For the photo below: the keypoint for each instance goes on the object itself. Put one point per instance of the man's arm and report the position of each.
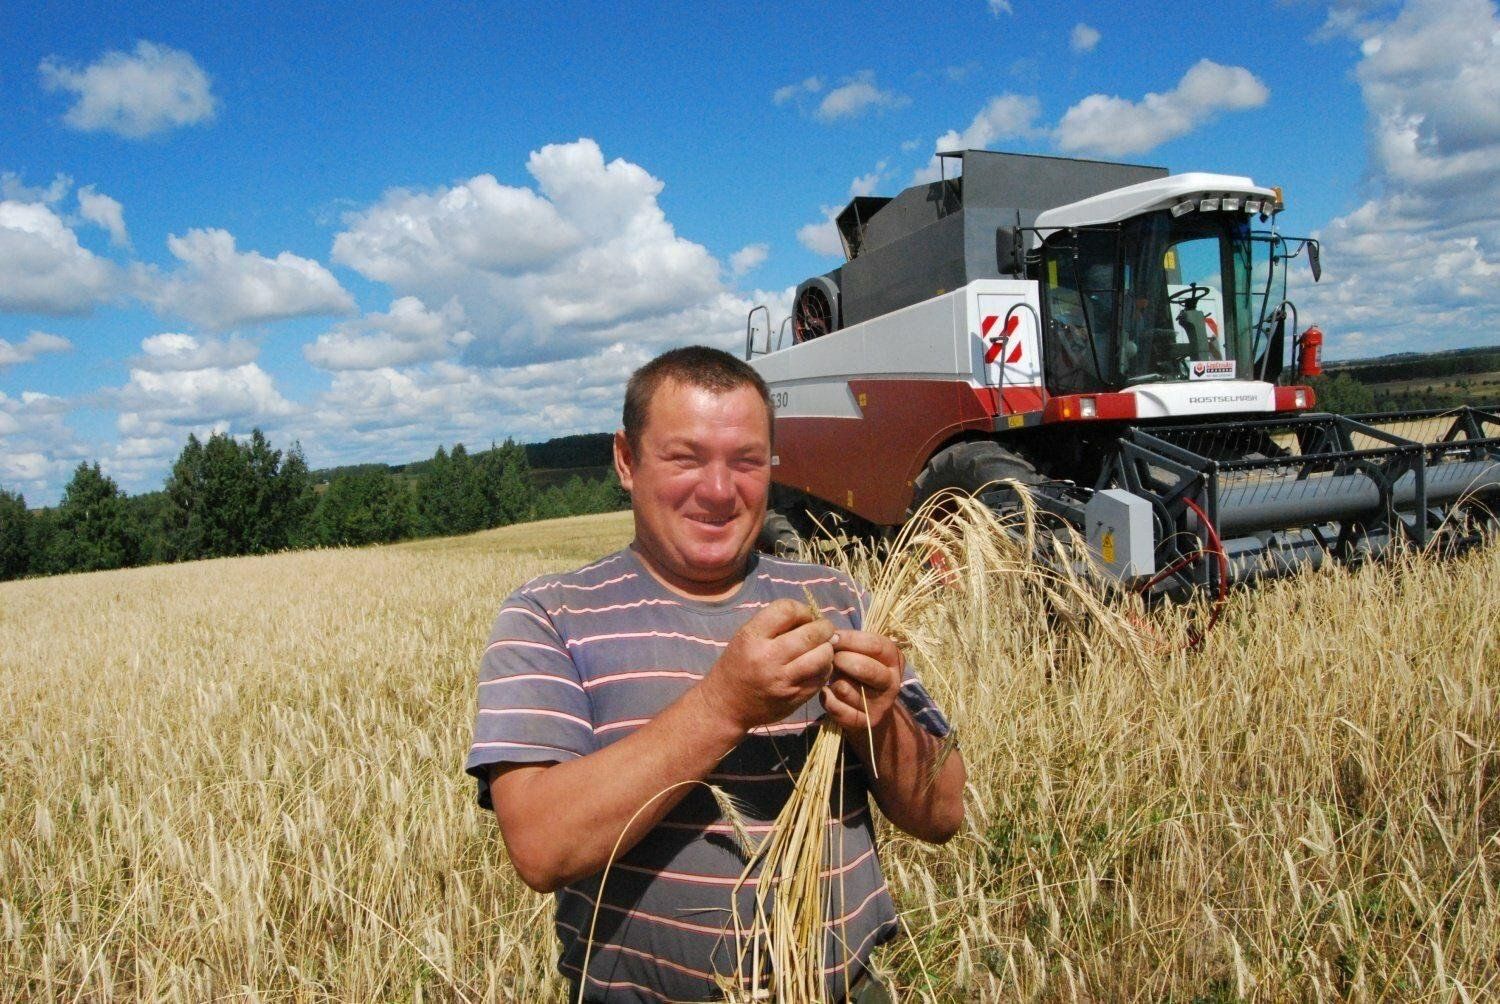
(919, 796)
(563, 821)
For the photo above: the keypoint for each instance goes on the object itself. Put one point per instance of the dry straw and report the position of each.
(955, 543)
(237, 779)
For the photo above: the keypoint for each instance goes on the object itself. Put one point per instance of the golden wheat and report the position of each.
(241, 779)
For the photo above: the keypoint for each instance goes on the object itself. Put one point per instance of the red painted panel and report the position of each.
(1286, 398)
(867, 465)
(1021, 399)
(1069, 408)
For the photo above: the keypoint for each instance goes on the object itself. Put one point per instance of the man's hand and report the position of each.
(868, 662)
(773, 665)
(917, 791)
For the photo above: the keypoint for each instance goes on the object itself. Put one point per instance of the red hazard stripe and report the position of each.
(988, 323)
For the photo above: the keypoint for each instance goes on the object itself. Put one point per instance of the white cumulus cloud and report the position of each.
(377, 413)
(37, 450)
(171, 351)
(810, 85)
(102, 211)
(1083, 37)
(34, 344)
(584, 260)
(822, 237)
(1417, 265)
(409, 333)
(43, 268)
(866, 184)
(154, 400)
(134, 94)
(1006, 116)
(749, 258)
(183, 384)
(1003, 117)
(1115, 126)
(856, 96)
(219, 287)
(15, 189)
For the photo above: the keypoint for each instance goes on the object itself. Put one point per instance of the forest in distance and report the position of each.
(226, 497)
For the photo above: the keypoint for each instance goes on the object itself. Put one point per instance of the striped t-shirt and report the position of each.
(579, 661)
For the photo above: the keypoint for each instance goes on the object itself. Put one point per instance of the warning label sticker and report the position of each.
(1211, 369)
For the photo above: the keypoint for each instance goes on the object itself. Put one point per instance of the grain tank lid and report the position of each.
(851, 222)
(1147, 197)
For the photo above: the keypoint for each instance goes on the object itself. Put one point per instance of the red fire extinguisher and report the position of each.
(1310, 353)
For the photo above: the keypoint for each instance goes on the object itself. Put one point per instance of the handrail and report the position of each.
(750, 331)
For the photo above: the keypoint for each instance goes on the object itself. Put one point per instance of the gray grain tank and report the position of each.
(939, 236)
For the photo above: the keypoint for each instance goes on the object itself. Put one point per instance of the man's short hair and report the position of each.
(692, 366)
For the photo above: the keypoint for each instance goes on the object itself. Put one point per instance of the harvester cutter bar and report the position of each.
(1282, 493)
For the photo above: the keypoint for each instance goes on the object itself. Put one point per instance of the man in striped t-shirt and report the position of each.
(608, 694)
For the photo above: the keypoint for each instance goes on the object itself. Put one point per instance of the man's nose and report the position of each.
(717, 483)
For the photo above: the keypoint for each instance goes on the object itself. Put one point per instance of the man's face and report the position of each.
(698, 483)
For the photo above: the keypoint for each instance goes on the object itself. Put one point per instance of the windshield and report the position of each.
(1158, 298)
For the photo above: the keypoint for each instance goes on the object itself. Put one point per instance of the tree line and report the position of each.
(1434, 365)
(226, 497)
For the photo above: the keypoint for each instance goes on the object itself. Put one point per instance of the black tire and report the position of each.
(778, 536)
(971, 466)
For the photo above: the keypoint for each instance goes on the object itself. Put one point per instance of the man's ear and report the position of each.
(623, 459)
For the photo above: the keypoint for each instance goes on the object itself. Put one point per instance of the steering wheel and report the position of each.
(1189, 296)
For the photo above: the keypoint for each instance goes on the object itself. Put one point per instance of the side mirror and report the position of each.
(1008, 251)
(1315, 260)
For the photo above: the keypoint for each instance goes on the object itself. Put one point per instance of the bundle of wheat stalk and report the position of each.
(955, 542)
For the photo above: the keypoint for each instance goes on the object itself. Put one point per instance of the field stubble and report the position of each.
(242, 779)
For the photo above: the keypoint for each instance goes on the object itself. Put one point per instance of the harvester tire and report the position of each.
(971, 466)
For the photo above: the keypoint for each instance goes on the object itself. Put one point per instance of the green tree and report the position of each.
(470, 511)
(212, 494)
(227, 498)
(579, 496)
(363, 507)
(450, 495)
(93, 526)
(150, 513)
(434, 515)
(46, 558)
(15, 536)
(505, 479)
(282, 495)
(1343, 394)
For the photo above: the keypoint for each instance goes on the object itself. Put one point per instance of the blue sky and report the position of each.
(374, 229)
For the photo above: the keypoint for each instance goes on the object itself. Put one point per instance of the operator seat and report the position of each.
(1195, 324)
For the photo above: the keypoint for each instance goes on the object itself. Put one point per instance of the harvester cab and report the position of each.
(1114, 338)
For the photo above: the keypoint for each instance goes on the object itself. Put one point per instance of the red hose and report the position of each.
(1195, 637)
(1216, 548)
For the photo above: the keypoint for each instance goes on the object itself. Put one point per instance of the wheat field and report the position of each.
(241, 780)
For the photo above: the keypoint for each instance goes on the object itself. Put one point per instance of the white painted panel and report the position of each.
(1163, 400)
(815, 398)
(937, 339)
(1026, 371)
(920, 341)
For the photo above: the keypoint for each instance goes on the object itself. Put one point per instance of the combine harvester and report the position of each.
(1116, 339)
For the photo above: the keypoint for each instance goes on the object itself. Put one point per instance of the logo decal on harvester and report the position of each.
(998, 343)
(1211, 369)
